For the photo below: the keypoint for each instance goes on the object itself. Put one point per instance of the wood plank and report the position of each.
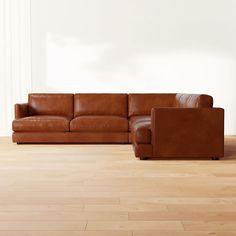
(61, 216)
(88, 190)
(210, 225)
(66, 233)
(42, 225)
(183, 215)
(201, 207)
(126, 207)
(134, 225)
(178, 200)
(41, 208)
(182, 233)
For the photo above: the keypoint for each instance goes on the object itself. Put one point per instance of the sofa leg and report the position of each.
(143, 158)
(215, 158)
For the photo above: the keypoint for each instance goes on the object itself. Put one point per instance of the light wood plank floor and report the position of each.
(100, 190)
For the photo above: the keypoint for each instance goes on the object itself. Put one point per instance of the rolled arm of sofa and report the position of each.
(21, 110)
(187, 132)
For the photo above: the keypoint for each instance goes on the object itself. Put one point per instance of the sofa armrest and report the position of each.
(187, 132)
(21, 110)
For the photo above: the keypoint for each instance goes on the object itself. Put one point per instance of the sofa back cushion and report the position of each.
(141, 104)
(100, 104)
(51, 104)
(193, 101)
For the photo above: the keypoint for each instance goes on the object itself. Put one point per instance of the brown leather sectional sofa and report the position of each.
(158, 125)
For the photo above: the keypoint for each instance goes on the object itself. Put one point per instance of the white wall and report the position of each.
(136, 46)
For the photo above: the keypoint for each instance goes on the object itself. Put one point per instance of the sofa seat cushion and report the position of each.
(99, 124)
(141, 132)
(136, 119)
(41, 123)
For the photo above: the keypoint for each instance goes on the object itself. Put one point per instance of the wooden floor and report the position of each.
(100, 190)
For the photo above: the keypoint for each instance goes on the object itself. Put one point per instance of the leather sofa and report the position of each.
(158, 125)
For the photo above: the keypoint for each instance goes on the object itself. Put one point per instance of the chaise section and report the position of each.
(189, 128)
(99, 124)
(41, 123)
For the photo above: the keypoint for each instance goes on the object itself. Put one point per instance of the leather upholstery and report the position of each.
(193, 101)
(21, 110)
(41, 123)
(141, 104)
(51, 104)
(187, 132)
(143, 150)
(70, 137)
(134, 119)
(100, 104)
(140, 127)
(99, 124)
(141, 132)
(158, 125)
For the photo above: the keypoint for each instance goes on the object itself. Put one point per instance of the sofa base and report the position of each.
(69, 137)
(143, 150)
